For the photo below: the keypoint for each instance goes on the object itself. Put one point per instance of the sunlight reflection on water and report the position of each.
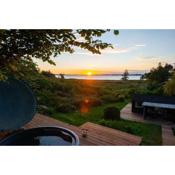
(101, 77)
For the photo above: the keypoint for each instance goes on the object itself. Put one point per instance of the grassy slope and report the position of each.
(94, 115)
(150, 133)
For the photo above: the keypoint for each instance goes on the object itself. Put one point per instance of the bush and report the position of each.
(65, 107)
(45, 110)
(169, 87)
(109, 98)
(92, 101)
(121, 97)
(111, 113)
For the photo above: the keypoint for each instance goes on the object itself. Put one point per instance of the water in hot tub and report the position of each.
(52, 140)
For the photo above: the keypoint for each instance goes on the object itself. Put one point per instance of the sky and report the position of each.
(135, 50)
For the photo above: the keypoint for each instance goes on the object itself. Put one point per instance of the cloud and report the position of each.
(115, 50)
(106, 51)
(81, 53)
(149, 57)
(118, 50)
(140, 45)
(84, 53)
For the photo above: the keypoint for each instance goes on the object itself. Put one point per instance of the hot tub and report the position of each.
(17, 108)
(42, 136)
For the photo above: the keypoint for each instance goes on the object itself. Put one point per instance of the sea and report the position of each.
(101, 77)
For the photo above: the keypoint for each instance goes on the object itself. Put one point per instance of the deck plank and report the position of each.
(113, 136)
(97, 134)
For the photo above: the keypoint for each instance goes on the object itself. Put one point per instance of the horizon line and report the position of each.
(99, 74)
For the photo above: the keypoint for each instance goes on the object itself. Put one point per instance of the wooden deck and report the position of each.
(111, 136)
(97, 134)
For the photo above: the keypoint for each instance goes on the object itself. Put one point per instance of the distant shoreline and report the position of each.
(136, 74)
(101, 77)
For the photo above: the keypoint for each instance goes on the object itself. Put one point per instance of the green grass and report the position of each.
(94, 115)
(150, 133)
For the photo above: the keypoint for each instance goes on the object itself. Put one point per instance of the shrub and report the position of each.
(169, 87)
(65, 107)
(112, 113)
(121, 97)
(131, 92)
(110, 98)
(48, 74)
(45, 110)
(92, 101)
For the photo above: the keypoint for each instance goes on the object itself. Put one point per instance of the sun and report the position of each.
(89, 73)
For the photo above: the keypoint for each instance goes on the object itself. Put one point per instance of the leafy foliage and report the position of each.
(169, 87)
(62, 76)
(47, 74)
(160, 74)
(19, 47)
(156, 79)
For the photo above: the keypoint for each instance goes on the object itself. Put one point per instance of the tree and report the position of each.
(62, 76)
(169, 87)
(160, 74)
(19, 47)
(48, 74)
(125, 75)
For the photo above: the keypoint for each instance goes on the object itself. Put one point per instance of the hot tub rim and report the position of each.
(63, 129)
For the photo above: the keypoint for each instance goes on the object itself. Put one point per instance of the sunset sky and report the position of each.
(135, 50)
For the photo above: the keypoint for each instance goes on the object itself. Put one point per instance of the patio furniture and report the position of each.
(162, 107)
